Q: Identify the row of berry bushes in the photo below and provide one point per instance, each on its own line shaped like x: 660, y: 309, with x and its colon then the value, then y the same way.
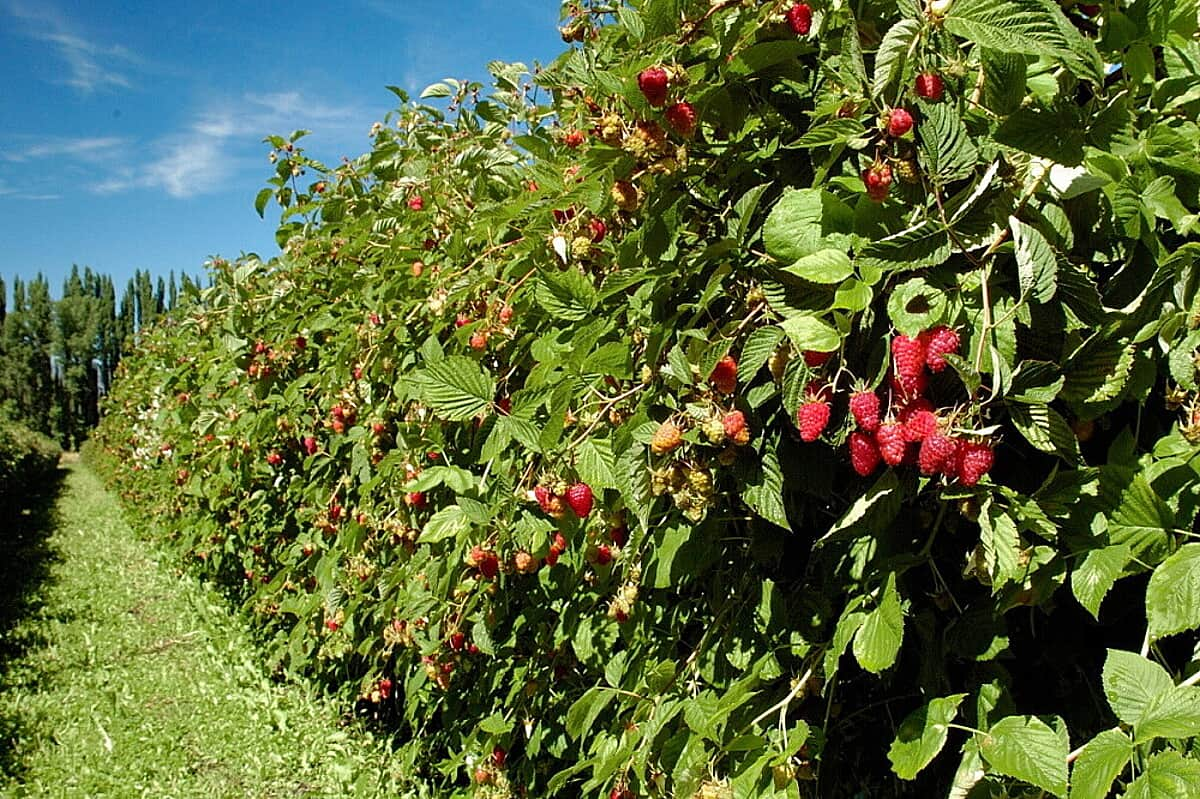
x: 28, y: 461
x: 760, y: 400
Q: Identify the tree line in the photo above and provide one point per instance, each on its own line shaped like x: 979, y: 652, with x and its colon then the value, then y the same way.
x: 58, y: 357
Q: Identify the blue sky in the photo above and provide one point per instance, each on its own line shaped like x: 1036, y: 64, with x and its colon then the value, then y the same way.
x: 131, y: 133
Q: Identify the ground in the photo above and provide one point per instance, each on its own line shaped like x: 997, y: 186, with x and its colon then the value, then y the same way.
x: 120, y: 677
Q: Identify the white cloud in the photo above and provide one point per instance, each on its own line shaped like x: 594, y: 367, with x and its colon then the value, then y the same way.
x: 84, y: 148
x: 225, y: 138
x: 91, y: 64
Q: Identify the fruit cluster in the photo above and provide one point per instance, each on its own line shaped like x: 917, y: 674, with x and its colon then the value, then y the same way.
x: 912, y: 431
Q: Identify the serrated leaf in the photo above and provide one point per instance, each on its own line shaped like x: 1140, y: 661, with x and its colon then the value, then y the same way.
x: 448, y: 522
x: 823, y: 266
x: 893, y: 53
x: 1003, y: 80
x: 1171, y: 714
x: 877, y: 642
x: 1131, y: 682
x: 760, y: 345
x: 1141, y: 519
x: 875, y: 509
x: 922, y: 735
x: 457, y: 388
x: 1045, y: 429
x: 586, y: 709
x: 763, y: 490
x: 811, y: 333
x: 1100, y: 762
x: 830, y: 132
x: 925, y: 244
x: 1094, y: 577
x: 1167, y: 775
x: 793, y: 228
x: 1037, y: 265
x: 1173, y: 595
x: 595, y: 463
x: 915, y: 306
x: 567, y: 296
x: 947, y: 152
x: 1013, y: 26
x: 1027, y: 749
x: 1054, y: 133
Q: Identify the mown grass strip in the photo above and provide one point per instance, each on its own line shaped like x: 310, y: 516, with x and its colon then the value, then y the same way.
x: 120, y: 678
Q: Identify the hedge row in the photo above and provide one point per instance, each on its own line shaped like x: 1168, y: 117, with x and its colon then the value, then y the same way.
x: 761, y: 400
x: 28, y: 461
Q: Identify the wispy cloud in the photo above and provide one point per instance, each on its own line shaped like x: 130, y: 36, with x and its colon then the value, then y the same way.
x: 225, y: 139
x: 92, y: 65
x: 85, y: 148
x: 8, y: 192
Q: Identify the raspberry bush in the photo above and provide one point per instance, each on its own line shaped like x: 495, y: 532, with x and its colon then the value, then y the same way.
x: 513, y: 443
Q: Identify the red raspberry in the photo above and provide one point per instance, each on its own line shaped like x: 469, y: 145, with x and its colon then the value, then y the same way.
x: 929, y: 86
x: 909, y: 356
x: 499, y: 756
x: 864, y: 407
x: 974, y: 461
x: 878, y: 179
x: 724, y: 375
x: 799, y: 18
x: 734, y: 423
x: 899, y: 122
x: 485, y: 561
x: 815, y: 360
x: 812, y: 417
x: 864, y: 453
x: 597, y: 228
x: 682, y: 118
x: 274, y: 458
x: 579, y: 497
x: 602, y: 555
x: 936, y: 450
x: 908, y: 391
x: 653, y: 83
x: 939, y: 342
x: 416, y: 499
x: 919, y: 424
x: 890, y: 438
x: 619, y: 535
x: 416, y: 202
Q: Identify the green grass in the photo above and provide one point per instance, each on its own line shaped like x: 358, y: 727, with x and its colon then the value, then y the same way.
x: 121, y: 678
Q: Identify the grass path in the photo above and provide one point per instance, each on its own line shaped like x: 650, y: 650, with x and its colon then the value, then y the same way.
x: 119, y: 678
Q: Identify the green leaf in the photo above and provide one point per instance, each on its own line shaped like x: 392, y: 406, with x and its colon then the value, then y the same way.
x: 915, y: 306
x: 1171, y: 714
x: 1142, y: 520
x: 1045, y: 429
x: 760, y: 345
x: 457, y: 388
x: 875, y: 509
x: 877, y: 642
x: 1095, y: 575
x: 947, y: 152
x: 568, y: 296
x: 922, y: 735
x: 596, y: 464
x: 1100, y: 762
x: 586, y: 709
x: 763, y: 490
x: 1003, y: 80
x: 1037, y: 265
x: 1173, y: 595
x: 824, y: 266
x: 1027, y: 749
x: 811, y: 333
x: 804, y: 221
x: 925, y: 244
x: 830, y: 132
x: 448, y: 522
x: 1057, y: 134
x: 893, y: 53
x: 1013, y: 26
x: 1167, y: 775
x: 1131, y: 682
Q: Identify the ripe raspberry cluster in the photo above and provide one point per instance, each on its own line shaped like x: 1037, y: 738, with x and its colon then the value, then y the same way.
x: 913, y: 430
